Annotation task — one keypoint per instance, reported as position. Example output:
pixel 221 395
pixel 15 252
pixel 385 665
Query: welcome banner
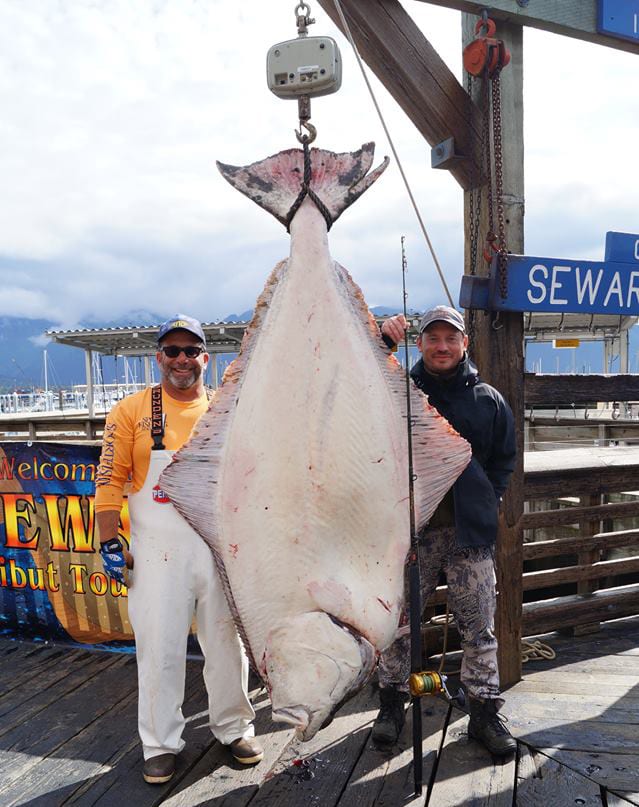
pixel 52 585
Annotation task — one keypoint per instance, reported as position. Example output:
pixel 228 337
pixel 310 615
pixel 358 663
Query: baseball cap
pixel 442 313
pixel 184 323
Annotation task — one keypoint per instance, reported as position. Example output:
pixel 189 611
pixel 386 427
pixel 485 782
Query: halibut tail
pixel 275 183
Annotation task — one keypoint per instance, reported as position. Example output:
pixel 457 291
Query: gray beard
pixel 182 382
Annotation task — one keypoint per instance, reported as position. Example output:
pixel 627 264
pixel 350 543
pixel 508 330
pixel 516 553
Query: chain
pixel 486 148
pixel 495 242
pixel 474 214
pixel 502 256
pixel 474 199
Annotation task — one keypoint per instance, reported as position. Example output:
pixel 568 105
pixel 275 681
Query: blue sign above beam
pixel 619 18
pixel 562 285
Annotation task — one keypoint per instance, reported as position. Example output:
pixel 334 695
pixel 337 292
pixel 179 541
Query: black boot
pixel 390 720
pixel 487 726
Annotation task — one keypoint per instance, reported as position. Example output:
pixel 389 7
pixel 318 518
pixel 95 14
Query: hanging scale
pixel 304 68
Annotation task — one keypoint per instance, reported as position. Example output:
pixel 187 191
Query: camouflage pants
pixel 470 573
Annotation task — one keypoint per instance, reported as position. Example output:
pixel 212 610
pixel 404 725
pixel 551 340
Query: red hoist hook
pixel 485 53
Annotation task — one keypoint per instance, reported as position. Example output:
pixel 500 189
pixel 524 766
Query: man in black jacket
pixel 461 534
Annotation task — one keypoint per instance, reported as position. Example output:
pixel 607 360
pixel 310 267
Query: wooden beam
pixel 584 572
pixel 579 389
pixel 415 75
pixel 499 352
pixel 583 543
pixel 572 515
pixel 574 18
pixel 578 609
pixel 600 480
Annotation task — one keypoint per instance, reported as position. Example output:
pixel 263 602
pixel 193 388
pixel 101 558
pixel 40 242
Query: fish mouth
pixel 297 716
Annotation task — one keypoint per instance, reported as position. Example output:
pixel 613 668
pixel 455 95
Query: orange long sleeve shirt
pixel 126 446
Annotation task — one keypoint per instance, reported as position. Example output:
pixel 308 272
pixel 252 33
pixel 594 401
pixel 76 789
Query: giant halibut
pixel 297 475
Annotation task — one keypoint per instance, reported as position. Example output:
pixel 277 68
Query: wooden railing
pixel 40 426
pixel 570 525
pixel 580 484
pixel 546 390
pixel 563 409
pixel 571 582
pixel 567 581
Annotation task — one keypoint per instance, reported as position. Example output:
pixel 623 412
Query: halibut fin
pixel 440 454
pixel 192 478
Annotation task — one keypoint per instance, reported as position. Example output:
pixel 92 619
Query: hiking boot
pixel 247 751
pixel 391 717
pixel 160 769
pixel 487 726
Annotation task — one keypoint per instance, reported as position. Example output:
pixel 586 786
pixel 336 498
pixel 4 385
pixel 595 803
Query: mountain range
pixel 23 342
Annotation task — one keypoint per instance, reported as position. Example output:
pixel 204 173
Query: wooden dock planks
pixel 582 709
pixel 468 774
pixel 544 782
pixel 68 736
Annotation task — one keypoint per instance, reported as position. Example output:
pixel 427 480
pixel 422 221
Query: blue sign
pixel 619 18
pixel 563 285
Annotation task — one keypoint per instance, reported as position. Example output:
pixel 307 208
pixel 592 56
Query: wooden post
pixel 414 74
pixel 147 372
pixel 499 353
pixel 588 527
pixel 88 365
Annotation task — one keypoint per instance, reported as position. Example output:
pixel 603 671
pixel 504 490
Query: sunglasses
pixel 190 351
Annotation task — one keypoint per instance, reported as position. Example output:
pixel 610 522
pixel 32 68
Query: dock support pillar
pixel 498 347
pixel 147 371
pixel 88 365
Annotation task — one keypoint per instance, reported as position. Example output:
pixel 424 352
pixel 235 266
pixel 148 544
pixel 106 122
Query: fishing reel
pixel 434 683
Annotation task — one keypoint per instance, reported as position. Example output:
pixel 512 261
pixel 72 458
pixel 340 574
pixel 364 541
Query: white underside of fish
pixel 298 480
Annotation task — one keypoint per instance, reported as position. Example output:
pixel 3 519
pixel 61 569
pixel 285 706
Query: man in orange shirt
pixel 172 575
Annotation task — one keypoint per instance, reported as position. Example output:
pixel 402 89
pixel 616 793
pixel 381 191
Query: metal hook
pixel 586 415
pixel 561 322
pixel 557 414
pixel 485 26
pixel 303 17
pixel 496 324
pixel 306 138
pixel 531 417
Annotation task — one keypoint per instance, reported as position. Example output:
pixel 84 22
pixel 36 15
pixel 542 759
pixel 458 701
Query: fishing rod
pixel 421 682
pixel 414 583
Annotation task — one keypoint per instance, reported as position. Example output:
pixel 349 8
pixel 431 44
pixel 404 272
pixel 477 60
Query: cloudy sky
pixel 114 112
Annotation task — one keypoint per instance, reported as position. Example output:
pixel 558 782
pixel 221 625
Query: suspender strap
pixel 157 418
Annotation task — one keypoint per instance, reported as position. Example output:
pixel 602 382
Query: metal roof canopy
pixel 221 337
pixel 226 337
pixel 544 327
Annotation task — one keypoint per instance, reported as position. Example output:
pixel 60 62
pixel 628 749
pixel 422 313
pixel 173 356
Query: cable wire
pixel 349 36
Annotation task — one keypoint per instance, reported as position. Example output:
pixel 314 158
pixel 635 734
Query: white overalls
pixel 174 576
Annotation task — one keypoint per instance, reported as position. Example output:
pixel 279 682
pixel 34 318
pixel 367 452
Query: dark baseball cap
pixel 180 322
pixel 442 313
